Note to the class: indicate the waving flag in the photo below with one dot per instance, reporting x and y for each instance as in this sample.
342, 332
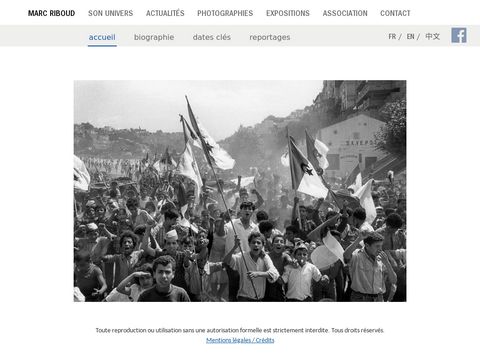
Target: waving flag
182, 198
316, 152
187, 166
356, 176
304, 177
364, 195
327, 254
333, 245
214, 154
189, 134
358, 182
81, 177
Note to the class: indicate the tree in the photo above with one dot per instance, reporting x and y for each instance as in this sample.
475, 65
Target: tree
392, 137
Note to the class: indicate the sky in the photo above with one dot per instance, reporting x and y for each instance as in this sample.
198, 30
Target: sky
221, 106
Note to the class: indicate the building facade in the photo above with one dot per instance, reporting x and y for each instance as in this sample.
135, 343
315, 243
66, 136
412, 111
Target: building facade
351, 142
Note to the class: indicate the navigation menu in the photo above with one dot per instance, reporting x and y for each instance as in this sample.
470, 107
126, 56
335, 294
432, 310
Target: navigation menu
100, 36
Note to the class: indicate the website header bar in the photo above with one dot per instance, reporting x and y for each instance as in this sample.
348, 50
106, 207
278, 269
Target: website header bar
114, 36
243, 13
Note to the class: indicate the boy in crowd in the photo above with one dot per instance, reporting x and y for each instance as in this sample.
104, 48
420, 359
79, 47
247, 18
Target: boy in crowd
393, 236
358, 220
242, 227
299, 276
303, 224
266, 228
291, 233
197, 263
126, 261
254, 269
171, 216
182, 262
280, 259
138, 216
368, 268
86, 237
88, 277
163, 291
133, 285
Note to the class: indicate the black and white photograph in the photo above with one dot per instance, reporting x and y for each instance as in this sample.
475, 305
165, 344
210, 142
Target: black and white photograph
240, 191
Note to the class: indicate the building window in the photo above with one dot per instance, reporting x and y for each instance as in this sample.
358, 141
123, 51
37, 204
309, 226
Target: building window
369, 161
356, 136
333, 161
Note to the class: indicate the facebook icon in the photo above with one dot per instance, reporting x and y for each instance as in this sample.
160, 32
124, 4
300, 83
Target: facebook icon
459, 35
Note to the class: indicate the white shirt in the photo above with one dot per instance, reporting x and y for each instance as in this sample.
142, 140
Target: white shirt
299, 280
242, 233
265, 264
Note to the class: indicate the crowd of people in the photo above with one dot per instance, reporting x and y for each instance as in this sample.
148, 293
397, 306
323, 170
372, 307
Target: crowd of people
160, 240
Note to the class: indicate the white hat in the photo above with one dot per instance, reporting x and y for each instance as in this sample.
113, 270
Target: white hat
92, 226
172, 234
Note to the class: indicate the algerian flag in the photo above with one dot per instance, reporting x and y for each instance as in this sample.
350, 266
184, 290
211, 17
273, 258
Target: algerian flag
214, 154
357, 184
81, 177
304, 176
190, 135
187, 166
364, 195
322, 150
353, 179
316, 152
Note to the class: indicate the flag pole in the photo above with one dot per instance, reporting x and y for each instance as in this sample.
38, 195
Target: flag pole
224, 202
331, 192
182, 120
290, 158
75, 206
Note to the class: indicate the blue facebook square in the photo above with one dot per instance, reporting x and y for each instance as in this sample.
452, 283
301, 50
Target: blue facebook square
459, 35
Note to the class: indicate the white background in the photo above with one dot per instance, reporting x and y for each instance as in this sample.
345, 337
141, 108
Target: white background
39, 319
